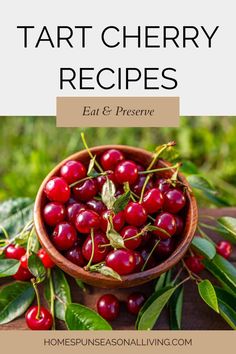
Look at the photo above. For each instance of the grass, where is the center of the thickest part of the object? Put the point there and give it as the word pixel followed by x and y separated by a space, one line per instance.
pixel 31 146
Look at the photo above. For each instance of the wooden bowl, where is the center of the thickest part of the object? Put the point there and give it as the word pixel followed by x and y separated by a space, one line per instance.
pixel 140 156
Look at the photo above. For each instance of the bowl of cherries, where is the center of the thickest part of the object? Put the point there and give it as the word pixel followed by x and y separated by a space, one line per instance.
pixel 115 216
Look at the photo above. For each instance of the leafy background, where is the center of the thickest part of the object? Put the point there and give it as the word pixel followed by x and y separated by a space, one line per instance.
pixel 31 146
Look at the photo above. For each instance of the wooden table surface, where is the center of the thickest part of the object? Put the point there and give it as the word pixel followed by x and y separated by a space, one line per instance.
pixel 196 315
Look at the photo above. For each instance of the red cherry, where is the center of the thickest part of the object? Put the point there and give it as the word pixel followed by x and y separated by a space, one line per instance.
pixel 45 259
pixel 135 214
pixel 73 171
pixel 121 261
pixel 224 248
pixel 118 220
pixel 22 274
pixel 73 210
pixel 87 220
pixel 64 236
pixel 43 323
pixel 108 307
pixel 138 186
pixel 24 261
pixel 130 231
pixel 96 205
pixel 139 262
pixel 174 201
pixel 53 213
pixel 153 201
pixel 194 264
pixel 165 221
pixel 75 255
pixel 126 171
pixel 151 263
pixel 57 190
pixel 99 252
pixel 14 252
pixel 179 225
pixel 163 185
pixel 85 191
pixel 164 248
pixel 134 302
pixel 111 158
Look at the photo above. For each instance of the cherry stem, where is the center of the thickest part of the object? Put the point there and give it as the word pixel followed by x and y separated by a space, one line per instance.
pixel 159 151
pixel 177 275
pixel 159 169
pixel 26 228
pixel 87 178
pixel 192 275
pixel 29 243
pixel 89 152
pixel 37 298
pixel 4 232
pixel 144 187
pixel 149 256
pixel 184 281
pixel 52 297
pixel 92 252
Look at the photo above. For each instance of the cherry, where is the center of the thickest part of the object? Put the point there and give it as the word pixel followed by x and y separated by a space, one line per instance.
pixel 118 220
pixel 45 259
pixel 87 220
pixel 135 214
pixel 194 264
pixel 126 171
pixel 151 263
pixel 224 248
pixel 134 302
pixel 86 190
pixel 96 205
pixel 153 201
pixel 102 179
pixel 139 262
pixel 146 236
pixel 22 274
pixel 165 221
pixel 121 261
pixel 24 261
pixel 73 210
pixel 43 323
pixel 75 255
pixel 163 185
pixel 108 307
pixel 174 201
pixel 165 248
pixel 14 252
pixel 99 252
pixel 53 213
pixel 138 186
pixel 179 225
pixel 111 158
pixel 64 236
pixel 130 231
pixel 73 171
pixel 57 190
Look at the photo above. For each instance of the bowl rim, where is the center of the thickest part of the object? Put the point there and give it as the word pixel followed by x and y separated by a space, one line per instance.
pixel 90 277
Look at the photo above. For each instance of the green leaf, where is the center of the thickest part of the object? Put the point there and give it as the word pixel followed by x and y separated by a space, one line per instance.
pixel 80 284
pixel 204 247
pixel 216 199
pixel 14 215
pixel 62 292
pixel 103 269
pixel 227 306
pixel 176 307
pixel 79 317
pixel 108 193
pixel 168 278
pixel 36 267
pixel 223 270
pixel 121 202
pixel 150 313
pixel 229 224
pixel 201 183
pixel 8 267
pixel 189 168
pixel 160 282
pixel 91 166
pixel 116 240
pixel 15 298
pixel 207 293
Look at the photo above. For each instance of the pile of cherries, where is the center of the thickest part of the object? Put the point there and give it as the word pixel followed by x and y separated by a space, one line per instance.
pixel 74 208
